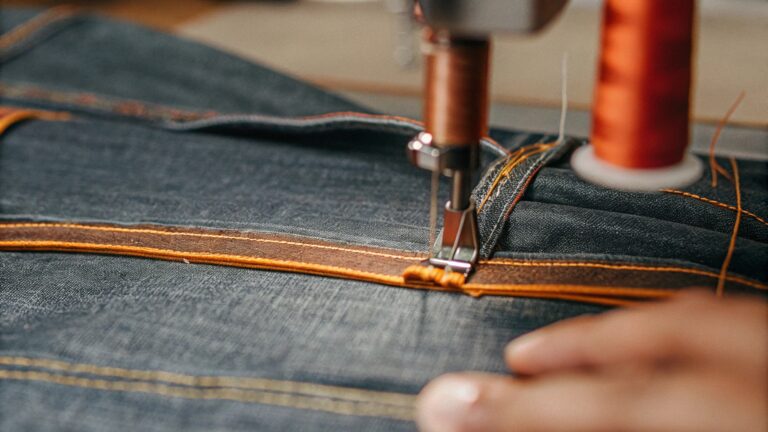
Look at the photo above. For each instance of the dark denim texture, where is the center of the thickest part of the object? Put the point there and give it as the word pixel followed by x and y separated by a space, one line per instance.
pixel 347 183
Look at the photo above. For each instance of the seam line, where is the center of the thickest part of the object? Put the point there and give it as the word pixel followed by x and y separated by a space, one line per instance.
pixel 716 203
pixel 516 263
pixel 323 269
pixel 367 409
pixel 203 235
pixel 496 262
pixel 242 382
pixel 25 29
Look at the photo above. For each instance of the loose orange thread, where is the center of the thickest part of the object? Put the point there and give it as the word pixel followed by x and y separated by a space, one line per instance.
pixel 734 234
pixel 713 165
pixel 431 274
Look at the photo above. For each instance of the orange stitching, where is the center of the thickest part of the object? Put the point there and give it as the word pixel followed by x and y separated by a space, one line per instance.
pixel 611 291
pixel 278 399
pixel 497 261
pixel 206 257
pixel 589 299
pixel 732 278
pixel 240 382
pixel 14 117
pixel 549 291
pixel 25 29
pixel 431 274
pixel 734 233
pixel 202 235
pixel 515 159
pixel 716 203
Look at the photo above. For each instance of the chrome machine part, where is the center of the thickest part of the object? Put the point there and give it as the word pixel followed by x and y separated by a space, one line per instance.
pixel 457 56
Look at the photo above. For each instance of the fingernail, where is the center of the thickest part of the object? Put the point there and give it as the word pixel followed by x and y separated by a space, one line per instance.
pixel 523 345
pixel 445 404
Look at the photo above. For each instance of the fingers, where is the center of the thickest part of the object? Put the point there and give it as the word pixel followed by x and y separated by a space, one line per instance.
pixel 681 329
pixel 688 401
pixel 490 403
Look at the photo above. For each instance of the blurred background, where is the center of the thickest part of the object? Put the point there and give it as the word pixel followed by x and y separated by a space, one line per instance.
pixel 368 51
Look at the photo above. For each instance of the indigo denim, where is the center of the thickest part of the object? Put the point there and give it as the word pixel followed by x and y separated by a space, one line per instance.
pixel 202 148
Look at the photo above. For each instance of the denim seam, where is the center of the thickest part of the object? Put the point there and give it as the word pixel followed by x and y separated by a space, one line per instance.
pixel 177 119
pixel 512 196
pixel 495 261
pixel 201 235
pixel 716 204
pixel 488 246
pixel 99 104
pixel 317 403
pixel 473 289
pixel 35 30
pixel 324 269
pixel 239 382
pixel 495 186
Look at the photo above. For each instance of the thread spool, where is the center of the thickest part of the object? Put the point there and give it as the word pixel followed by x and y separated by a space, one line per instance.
pixel 640 121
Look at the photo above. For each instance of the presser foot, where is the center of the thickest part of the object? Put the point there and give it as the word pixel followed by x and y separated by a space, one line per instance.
pixel 457 248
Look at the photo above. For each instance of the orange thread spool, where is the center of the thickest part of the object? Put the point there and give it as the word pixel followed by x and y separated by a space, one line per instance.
pixel 641 110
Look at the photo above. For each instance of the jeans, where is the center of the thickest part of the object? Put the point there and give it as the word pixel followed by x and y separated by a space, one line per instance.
pixel 184 139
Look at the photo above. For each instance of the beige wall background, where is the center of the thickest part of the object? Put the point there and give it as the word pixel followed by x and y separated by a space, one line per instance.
pixel 349 46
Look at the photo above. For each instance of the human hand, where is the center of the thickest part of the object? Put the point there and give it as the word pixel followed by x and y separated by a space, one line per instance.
pixel 694 363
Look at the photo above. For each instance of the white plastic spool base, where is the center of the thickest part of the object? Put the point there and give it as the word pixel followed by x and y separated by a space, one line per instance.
pixel 593 169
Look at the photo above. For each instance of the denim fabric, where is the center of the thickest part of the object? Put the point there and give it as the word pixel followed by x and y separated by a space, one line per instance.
pixel 347 182
pixel 111 58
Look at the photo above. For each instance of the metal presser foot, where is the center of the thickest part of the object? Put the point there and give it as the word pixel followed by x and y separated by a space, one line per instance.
pixel 456 250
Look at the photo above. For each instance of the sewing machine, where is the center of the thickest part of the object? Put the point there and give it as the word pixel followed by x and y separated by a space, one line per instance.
pixel 457 53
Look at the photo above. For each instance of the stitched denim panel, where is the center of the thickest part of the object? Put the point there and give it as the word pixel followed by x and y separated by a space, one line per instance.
pixel 45 407
pixel 495 201
pixel 350 186
pixel 354 187
pixel 561 215
pixel 208 320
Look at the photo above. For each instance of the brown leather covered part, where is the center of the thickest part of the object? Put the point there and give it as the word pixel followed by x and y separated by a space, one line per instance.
pixel 595 282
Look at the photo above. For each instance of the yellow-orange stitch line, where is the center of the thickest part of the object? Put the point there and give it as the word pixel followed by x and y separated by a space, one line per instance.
pixel 586 290
pixel 597 300
pixel 15 116
pixel 206 257
pixel 518 263
pixel 203 235
pixel 238 395
pixel 543 291
pixel 25 29
pixel 716 203
pixel 498 261
pixel 203 381
pixel 515 159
